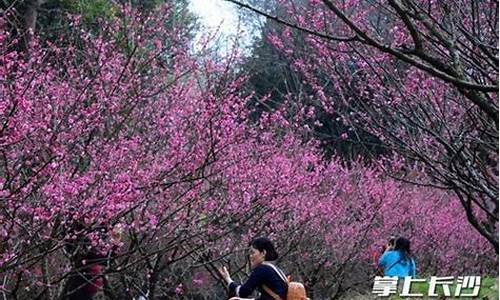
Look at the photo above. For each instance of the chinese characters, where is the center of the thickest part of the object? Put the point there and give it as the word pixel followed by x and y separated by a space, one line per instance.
pixel 464 286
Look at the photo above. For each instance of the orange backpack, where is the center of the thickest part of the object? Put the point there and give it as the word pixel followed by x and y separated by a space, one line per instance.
pixel 296 290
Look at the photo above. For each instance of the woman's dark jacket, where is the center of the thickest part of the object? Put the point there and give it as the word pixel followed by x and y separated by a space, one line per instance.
pixel 261 275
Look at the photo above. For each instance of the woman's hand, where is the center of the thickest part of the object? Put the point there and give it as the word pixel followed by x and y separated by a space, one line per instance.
pixel 225 274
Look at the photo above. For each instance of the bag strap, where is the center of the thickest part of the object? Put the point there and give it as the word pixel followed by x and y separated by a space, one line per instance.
pixel 412 267
pixel 400 260
pixel 271 293
pixel 281 275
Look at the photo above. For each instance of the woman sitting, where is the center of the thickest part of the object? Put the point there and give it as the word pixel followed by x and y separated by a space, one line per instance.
pixel 265 277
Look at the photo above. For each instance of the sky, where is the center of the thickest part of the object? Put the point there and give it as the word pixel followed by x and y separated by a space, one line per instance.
pixel 215 13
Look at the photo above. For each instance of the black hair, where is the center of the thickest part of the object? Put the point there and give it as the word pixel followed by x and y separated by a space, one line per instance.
pixel 403 246
pixel 262 244
pixel 390 242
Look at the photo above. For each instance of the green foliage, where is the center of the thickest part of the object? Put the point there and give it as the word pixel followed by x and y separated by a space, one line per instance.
pixel 52 21
pixel 271 73
pixel 90 9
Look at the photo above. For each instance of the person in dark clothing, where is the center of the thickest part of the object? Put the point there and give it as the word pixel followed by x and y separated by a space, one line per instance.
pixel 87 278
pixel 265 277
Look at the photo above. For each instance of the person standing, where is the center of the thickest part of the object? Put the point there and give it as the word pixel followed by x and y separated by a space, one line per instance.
pixel 398 261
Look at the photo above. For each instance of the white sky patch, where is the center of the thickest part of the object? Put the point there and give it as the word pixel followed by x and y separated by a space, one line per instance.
pixel 221 15
pixel 213 13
